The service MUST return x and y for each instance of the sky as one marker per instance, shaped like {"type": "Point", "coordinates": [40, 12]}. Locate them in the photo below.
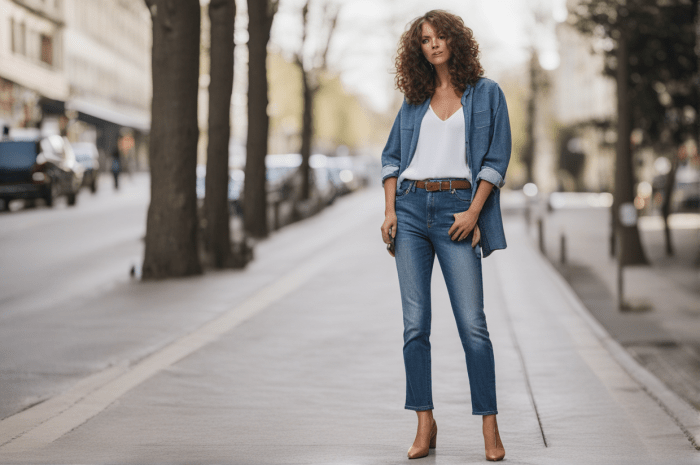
{"type": "Point", "coordinates": [364, 44]}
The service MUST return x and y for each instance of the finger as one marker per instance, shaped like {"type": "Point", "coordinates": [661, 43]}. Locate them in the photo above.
{"type": "Point", "coordinates": [477, 236]}
{"type": "Point", "coordinates": [385, 235]}
{"type": "Point", "coordinates": [453, 228]}
{"type": "Point", "coordinates": [394, 228]}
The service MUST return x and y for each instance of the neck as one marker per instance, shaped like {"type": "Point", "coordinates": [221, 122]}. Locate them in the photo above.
{"type": "Point", "coordinates": [443, 76]}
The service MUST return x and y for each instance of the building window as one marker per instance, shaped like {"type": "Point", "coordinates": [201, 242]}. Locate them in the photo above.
{"type": "Point", "coordinates": [47, 49]}
{"type": "Point", "coordinates": [19, 37]}
{"type": "Point", "coordinates": [22, 39]}
{"type": "Point", "coordinates": [13, 39]}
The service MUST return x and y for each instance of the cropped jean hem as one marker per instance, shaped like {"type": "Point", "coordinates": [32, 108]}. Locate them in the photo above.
{"type": "Point", "coordinates": [491, 412]}
{"type": "Point", "coordinates": [418, 409]}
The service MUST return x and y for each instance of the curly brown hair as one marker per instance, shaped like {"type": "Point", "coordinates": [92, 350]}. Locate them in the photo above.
{"type": "Point", "coordinates": [416, 78]}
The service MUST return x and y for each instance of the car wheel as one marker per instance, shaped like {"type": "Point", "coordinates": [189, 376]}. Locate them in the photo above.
{"type": "Point", "coordinates": [93, 185]}
{"type": "Point", "coordinates": [5, 204]}
{"type": "Point", "coordinates": [72, 198]}
{"type": "Point", "coordinates": [51, 194]}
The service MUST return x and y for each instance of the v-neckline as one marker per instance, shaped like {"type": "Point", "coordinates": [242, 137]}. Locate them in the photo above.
{"type": "Point", "coordinates": [448, 118]}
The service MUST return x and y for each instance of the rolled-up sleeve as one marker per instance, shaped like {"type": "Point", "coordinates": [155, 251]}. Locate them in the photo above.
{"type": "Point", "coordinates": [391, 155]}
{"type": "Point", "coordinates": [497, 158]}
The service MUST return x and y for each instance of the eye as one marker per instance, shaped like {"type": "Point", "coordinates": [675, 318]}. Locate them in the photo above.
{"type": "Point", "coordinates": [424, 41]}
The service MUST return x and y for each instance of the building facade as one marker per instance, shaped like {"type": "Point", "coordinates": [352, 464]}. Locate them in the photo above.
{"type": "Point", "coordinates": [107, 55]}
{"type": "Point", "coordinates": [584, 107]}
{"type": "Point", "coordinates": [81, 68]}
{"type": "Point", "coordinates": [31, 60]}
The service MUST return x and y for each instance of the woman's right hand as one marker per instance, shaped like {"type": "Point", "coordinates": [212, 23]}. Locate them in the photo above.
{"type": "Point", "coordinates": [389, 229]}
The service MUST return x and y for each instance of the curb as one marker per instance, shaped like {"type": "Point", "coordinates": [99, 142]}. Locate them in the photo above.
{"type": "Point", "coordinates": [682, 413]}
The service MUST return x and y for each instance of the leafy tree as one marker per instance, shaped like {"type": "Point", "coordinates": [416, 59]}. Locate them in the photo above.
{"type": "Point", "coordinates": [171, 229]}
{"type": "Point", "coordinates": [649, 50]}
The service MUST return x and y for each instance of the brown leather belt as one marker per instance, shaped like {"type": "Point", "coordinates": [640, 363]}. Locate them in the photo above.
{"type": "Point", "coordinates": [443, 185]}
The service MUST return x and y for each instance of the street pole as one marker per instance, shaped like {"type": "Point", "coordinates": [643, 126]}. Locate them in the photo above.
{"type": "Point", "coordinates": [620, 271]}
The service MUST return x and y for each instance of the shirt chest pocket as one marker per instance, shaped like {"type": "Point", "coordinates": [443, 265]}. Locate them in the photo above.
{"type": "Point", "coordinates": [482, 119]}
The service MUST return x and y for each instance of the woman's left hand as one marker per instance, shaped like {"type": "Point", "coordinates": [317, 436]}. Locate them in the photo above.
{"type": "Point", "coordinates": [464, 223]}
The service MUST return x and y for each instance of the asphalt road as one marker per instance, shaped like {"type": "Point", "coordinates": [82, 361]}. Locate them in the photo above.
{"type": "Point", "coordinates": [56, 264]}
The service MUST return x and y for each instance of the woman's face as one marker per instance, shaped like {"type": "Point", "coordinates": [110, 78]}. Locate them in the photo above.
{"type": "Point", "coordinates": [434, 45]}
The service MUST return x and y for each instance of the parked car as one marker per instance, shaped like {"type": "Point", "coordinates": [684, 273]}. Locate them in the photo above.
{"type": "Point", "coordinates": [86, 154]}
{"type": "Point", "coordinates": [345, 174]}
{"type": "Point", "coordinates": [280, 171]}
{"type": "Point", "coordinates": [39, 167]}
{"type": "Point", "coordinates": [235, 189]}
{"type": "Point", "coordinates": [283, 177]}
{"type": "Point", "coordinates": [322, 179]}
{"type": "Point", "coordinates": [686, 192]}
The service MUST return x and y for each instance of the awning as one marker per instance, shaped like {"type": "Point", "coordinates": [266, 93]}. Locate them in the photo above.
{"type": "Point", "coordinates": [129, 117]}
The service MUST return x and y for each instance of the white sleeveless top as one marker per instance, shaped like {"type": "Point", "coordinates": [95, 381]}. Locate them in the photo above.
{"type": "Point", "coordinates": [441, 151]}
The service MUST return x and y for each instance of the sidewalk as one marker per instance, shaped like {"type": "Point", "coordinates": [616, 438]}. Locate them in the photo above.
{"type": "Point", "coordinates": [666, 337]}
{"type": "Point", "coordinates": [304, 366]}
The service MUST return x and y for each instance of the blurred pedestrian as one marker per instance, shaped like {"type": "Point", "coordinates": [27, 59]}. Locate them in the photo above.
{"type": "Point", "coordinates": [442, 168]}
{"type": "Point", "coordinates": [116, 167]}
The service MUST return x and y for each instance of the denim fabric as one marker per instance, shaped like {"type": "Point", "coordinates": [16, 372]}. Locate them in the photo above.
{"type": "Point", "coordinates": [488, 142]}
{"type": "Point", "coordinates": [423, 221]}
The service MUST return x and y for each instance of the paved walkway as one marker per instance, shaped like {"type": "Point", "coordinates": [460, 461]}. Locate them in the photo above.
{"type": "Point", "coordinates": [303, 366]}
{"type": "Point", "coordinates": [665, 337]}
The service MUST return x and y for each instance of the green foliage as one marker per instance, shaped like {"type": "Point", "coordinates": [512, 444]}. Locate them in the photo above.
{"type": "Point", "coordinates": [663, 64]}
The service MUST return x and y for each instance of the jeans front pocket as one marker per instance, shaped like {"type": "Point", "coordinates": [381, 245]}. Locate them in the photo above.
{"type": "Point", "coordinates": [404, 190]}
{"type": "Point", "coordinates": [463, 195]}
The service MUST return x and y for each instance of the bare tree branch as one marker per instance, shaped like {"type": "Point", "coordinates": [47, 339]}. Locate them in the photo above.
{"type": "Point", "coordinates": [331, 19]}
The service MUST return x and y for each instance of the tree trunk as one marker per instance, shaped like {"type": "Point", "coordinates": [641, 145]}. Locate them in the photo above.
{"type": "Point", "coordinates": [631, 251]}
{"type": "Point", "coordinates": [221, 15]}
{"type": "Point", "coordinates": [307, 133]}
{"type": "Point", "coordinates": [171, 229]}
{"type": "Point", "coordinates": [255, 195]}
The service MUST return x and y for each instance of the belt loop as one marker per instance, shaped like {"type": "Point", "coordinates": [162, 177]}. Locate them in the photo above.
{"type": "Point", "coordinates": [450, 184]}
{"type": "Point", "coordinates": [413, 186]}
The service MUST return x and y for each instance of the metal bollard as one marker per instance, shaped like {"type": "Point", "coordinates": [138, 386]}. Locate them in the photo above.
{"type": "Point", "coordinates": [562, 249]}
{"type": "Point", "coordinates": [527, 213]}
{"type": "Point", "coordinates": [540, 232]}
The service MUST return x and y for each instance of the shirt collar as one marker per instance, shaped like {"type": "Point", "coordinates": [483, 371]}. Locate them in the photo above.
{"type": "Point", "coordinates": [467, 91]}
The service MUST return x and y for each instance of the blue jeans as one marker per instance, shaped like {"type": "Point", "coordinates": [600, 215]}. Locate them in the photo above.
{"type": "Point", "coordinates": [423, 221]}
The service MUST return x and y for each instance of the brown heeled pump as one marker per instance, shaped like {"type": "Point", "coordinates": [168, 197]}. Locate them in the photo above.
{"type": "Point", "coordinates": [493, 445]}
{"type": "Point", "coordinates": [420, 451]}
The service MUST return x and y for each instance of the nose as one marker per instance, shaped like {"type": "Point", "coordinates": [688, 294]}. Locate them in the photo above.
{"type": "Point", "coordinates": [435, 43]}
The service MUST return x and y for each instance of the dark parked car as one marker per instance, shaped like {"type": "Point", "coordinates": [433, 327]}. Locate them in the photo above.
{"type": "Point", "coordinates": [43, 167]}
{"type": "Point", "coordinates": [86, 154]}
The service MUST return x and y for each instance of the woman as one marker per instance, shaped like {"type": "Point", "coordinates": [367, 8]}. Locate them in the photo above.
{"type": "Point", "coordinates": [442, 169]}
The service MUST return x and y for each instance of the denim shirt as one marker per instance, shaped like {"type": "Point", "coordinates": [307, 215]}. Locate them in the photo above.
{"type": "Point", "coordinates": [488, 143]}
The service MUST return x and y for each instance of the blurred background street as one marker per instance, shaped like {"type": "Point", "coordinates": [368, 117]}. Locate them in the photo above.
{"type": "Point", "coordinates": [190, 202]}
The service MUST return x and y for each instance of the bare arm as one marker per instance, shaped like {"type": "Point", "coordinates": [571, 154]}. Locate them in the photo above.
{"type": "Point", "coordinates": [390, 220]}
{"type": "Point", "coordinates": [466, 221]}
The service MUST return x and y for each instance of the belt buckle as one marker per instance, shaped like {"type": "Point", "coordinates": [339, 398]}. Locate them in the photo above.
{"type": "Point", "coordinates": [432, 186]}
